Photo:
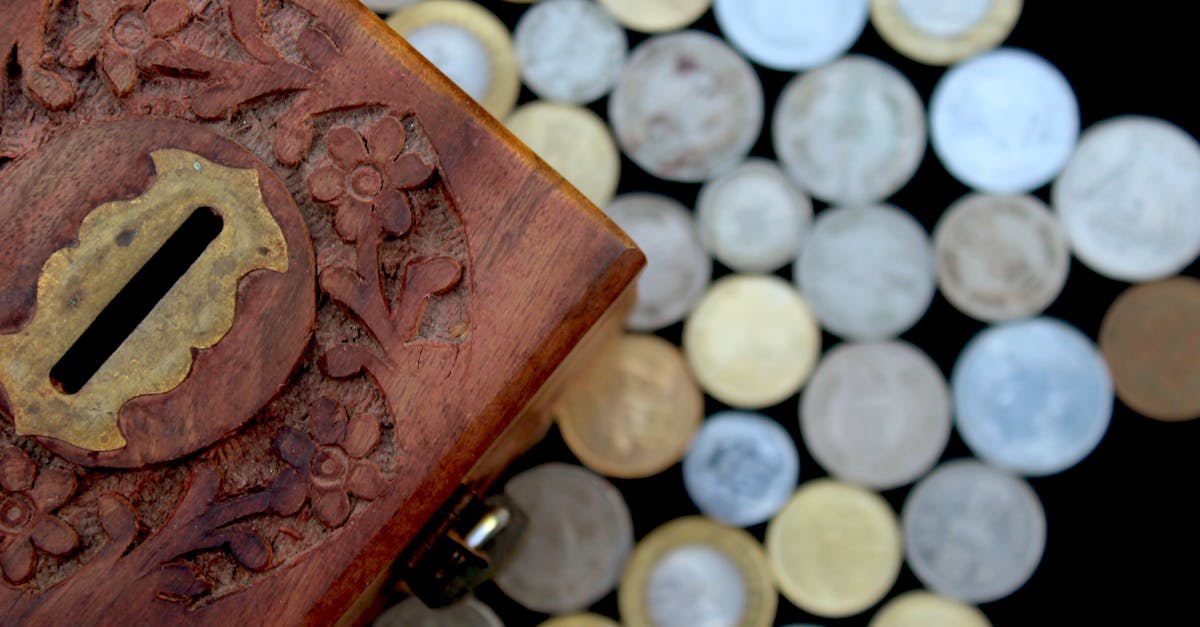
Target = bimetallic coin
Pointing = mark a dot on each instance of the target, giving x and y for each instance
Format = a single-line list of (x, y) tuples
[(851, 132), (791, 35), (577, 542), (751, 341), (635, 411), (569, 50), (575, 142), (1000, 257), (469, 45), (918, 608), (1151, 339), (687, 107), (692, 571), (876, 414), (941, 32), (741, 468), (1004, 121), (1032, 396), (867, 271), (753, 218), (1128, 198), (580, 620), (834, 549), (973, 533), (656, 16), (678, 269), (411, 612)]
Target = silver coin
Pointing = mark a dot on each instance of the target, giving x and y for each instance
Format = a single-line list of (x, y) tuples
[(687, 107), (851, 132), (1128, 198), (678, 269), (753, 218), (791, 35), (867, 271), (411, 612), (579, 538), (1000, 257), (876, 414), (973, 533), (1032, 396), (1004, 121), (695, 585), (569, 50), (741, 468)]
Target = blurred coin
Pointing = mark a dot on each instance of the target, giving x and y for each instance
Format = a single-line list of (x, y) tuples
[(751, 341), (918, 608), (569, 50), (577, 542), (867, 271), (973, 533), (741, 468), (469, 45), (877, 414), (834, 549), (1128, 198), (1004, 121), (656, 16), (1151, 339), (791, 35), (574, 141), (1032, 396), (633, 414), (692, 571), (580, 620), (941, 32), (753, 218), (677, 270), (687, 107), (411, 612), (1000, 257)]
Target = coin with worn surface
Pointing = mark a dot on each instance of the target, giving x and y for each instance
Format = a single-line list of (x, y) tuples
[(469, 45), (411, 612), (973, 533), (876, 414), (741, 468), (867, 271), (1000, 257), (751, 341), (580, 620), (851, 132), (569, 50), (1128, 198), (656, 16), (678, 269), (687, 107), (1032, 396), (575, 142), (753, 218), (918, 608), (577, 542), (937, 32), (834, 549), (692, 571), (791, 35), (1150, 337), (1005, 121), (635, 411)]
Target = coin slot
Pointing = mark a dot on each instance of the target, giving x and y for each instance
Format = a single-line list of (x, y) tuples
[(135, 301)]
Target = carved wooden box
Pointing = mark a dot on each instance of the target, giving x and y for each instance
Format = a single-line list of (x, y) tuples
[(271, 291)]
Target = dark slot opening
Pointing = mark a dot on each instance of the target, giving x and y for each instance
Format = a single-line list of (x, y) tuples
[(135, 301)]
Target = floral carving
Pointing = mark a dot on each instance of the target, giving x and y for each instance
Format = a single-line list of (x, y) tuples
[(27, 521), (44, 87)]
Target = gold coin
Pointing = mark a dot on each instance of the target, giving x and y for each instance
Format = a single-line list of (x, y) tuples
[(834, 549), (919, 608), (575, 142), (469, 45), (694, 571), (752, 341), (656, 16), (580, 620), (941, 33), (635, 410)]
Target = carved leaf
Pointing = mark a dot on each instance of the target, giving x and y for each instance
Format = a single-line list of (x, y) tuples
[(116, 517), (292, 140), (179, 582), (344, 361), (246, 24), (317, 48), (344, 285), (49, 90), (248, 548), (432, 276), (411, 170), (214, 102)]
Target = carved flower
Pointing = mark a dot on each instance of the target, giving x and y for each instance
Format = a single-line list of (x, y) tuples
[(327, 464), (117, 33), (366, 178), (27, 504)]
